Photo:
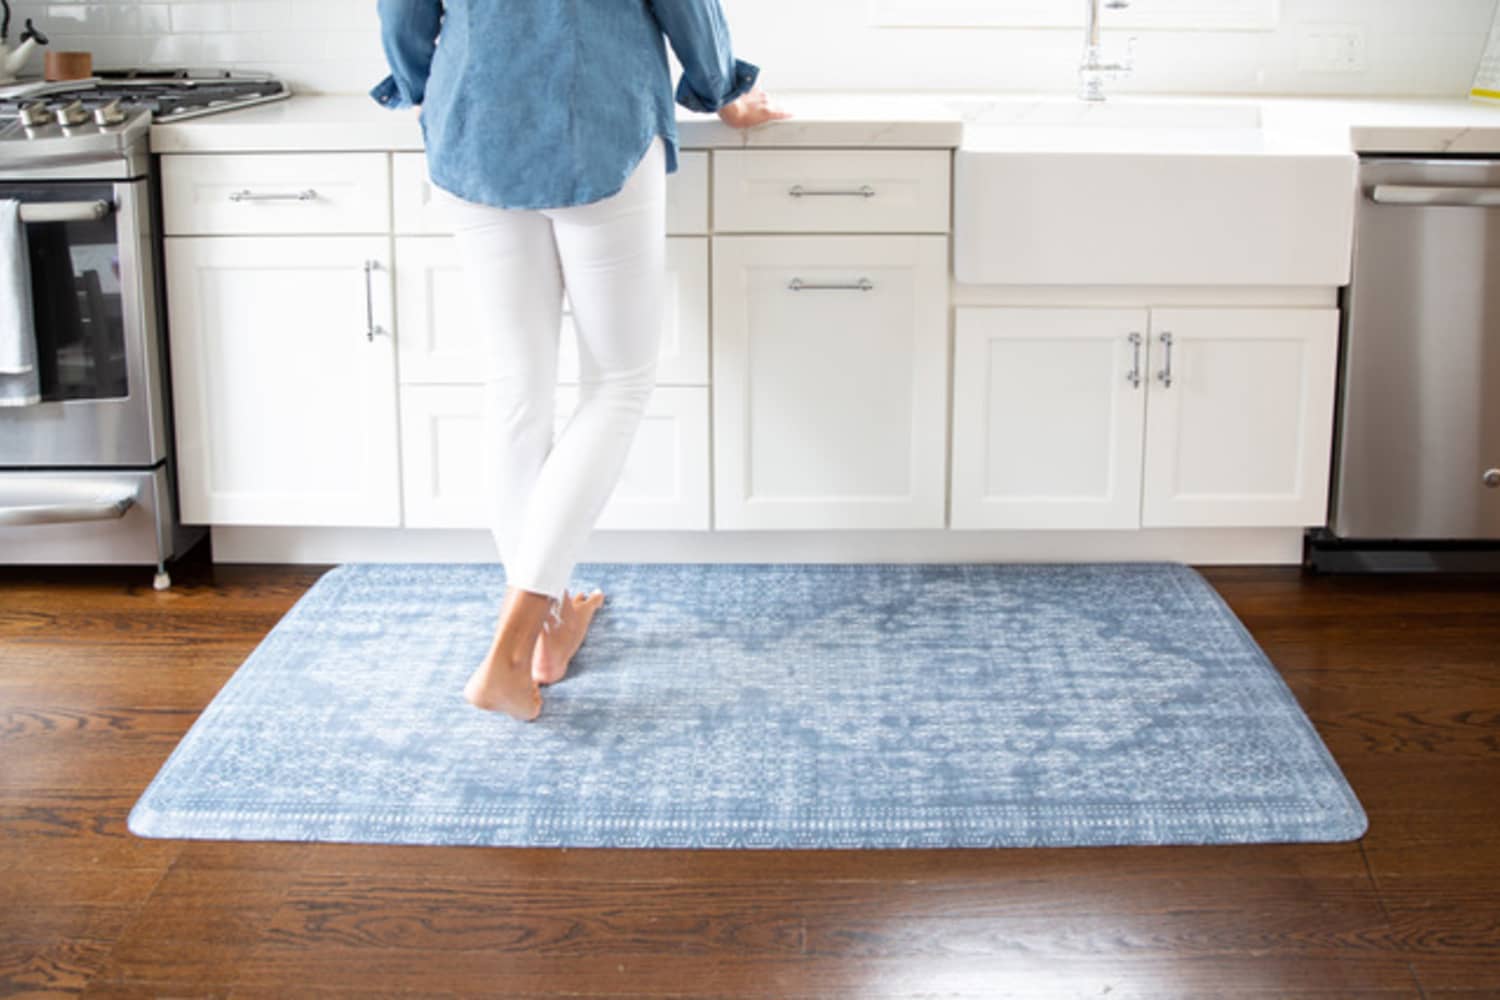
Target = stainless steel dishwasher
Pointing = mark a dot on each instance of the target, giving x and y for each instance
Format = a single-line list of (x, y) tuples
[(1416, 474)]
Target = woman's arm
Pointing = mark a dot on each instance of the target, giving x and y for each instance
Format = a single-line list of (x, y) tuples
[(711, 76), (408, 33)]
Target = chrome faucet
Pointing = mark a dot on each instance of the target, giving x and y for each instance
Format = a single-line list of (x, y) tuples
[(1092, 70)]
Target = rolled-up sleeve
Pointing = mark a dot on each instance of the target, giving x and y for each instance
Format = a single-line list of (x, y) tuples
[(711, 76), (408, 33)]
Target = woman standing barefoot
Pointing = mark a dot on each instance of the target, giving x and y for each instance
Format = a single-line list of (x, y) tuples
[(549, 129)]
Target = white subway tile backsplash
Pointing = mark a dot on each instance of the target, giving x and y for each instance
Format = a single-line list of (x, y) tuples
[(1414, 47)]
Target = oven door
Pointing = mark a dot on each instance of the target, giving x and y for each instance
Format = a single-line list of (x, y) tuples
[(96, 319)]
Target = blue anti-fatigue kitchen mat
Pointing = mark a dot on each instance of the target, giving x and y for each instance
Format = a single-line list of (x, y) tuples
[(765, 706)]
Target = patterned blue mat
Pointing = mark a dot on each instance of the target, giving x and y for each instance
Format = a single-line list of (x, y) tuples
[(765, 705)]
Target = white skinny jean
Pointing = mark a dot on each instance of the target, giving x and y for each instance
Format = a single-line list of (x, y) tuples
[(545, 496)]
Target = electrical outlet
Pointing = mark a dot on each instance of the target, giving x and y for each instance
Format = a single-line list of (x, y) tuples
[(1331, 48)]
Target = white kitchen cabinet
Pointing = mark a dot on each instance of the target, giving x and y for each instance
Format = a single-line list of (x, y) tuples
[(830, 359), (664, 485), (284, 380), (1047, 421), (1242, 435), (1230, 428), (440, 344)]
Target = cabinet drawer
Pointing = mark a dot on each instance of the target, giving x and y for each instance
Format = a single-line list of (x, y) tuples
[(846, 191), (687, 196), (272, 193)]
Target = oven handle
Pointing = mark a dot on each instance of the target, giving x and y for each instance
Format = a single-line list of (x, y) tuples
[(59, 501), (1452, 197), (64, 211)]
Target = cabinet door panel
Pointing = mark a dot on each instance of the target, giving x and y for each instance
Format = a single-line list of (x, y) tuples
[(439, 343), (1242, 436), (1047, 426), (663, 487), (285, 408), (830, 401)]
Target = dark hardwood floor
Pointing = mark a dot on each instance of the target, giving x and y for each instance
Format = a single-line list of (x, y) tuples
[(100, 676)]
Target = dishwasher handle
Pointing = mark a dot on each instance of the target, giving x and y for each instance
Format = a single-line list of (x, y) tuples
[(1435, 196)]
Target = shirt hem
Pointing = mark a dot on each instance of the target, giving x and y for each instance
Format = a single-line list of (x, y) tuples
[(438, 178)]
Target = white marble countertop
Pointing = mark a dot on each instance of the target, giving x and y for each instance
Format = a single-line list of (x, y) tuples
[(1297, 124)]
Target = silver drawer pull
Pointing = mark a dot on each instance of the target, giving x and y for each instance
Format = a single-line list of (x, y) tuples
[(862, 285), (307, 195), (64, 211), (863, 191)]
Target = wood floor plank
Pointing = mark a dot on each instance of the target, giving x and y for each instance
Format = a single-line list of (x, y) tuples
[(927, 867), (198, 925), (40, 904), (56, 967)]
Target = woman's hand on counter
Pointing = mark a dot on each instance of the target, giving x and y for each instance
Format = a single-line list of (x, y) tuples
[(750, 109)]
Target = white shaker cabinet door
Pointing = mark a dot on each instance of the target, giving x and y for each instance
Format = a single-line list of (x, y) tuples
[(830, 366), (1240, 417), (441, 342), (1048, 414), (664, 485), (284, 381)]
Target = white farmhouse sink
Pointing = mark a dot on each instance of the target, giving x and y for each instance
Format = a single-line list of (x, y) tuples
[(1137, 191)]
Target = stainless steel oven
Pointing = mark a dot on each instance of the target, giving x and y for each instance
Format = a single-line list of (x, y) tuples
[(87, 471)]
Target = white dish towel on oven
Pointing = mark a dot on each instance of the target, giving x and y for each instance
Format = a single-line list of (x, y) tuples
[(20, 382)]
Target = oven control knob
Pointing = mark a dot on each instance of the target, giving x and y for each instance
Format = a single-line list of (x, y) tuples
[(35, 114), (1492, 479), (109, 114), (72, 113)]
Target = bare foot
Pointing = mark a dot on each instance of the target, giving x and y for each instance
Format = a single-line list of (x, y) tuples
[(559, 641), (505, 687)]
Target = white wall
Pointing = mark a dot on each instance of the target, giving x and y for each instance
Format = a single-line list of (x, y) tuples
[(1419, 47)]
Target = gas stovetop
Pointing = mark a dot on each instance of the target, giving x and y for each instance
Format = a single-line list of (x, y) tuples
[(112, 108), (169, 94)]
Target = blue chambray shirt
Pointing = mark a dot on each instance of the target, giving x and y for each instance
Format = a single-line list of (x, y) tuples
[(547, 103)]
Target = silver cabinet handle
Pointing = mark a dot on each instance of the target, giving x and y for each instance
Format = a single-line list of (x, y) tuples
[(371, 266), (863, 191), (1492, 479), (1166, 373), (862, 285), (307, 195), (1453, 197), (1134, 375)]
